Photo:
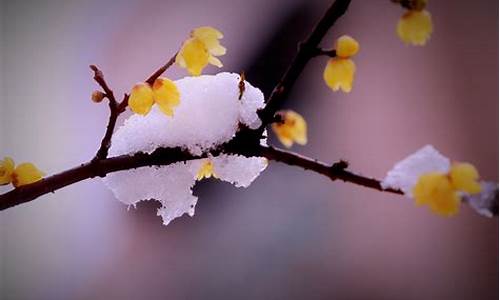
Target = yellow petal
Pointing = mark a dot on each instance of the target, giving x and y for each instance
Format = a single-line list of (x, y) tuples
[(141, 98), (293, 129), (214, 61), (435, 190), (193, 56), (6, 169), (415, 27), (339, 74), (206, 170), (210, 36), (464, 177), (26, 173), (346, 46), (166, 95)]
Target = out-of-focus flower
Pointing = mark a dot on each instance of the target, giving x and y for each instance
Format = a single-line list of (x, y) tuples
[(164, 93), (415, 27), (206, 170), (6, 169), (200, 50), (435, 189), (291, 129), (464, 177), (26, 173), (429, 178), (339, 71)]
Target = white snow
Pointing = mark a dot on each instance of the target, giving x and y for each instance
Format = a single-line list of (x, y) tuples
[(208, 115), (404, 175)]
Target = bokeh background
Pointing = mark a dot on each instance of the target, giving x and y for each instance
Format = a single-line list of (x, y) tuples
[(290, 235)]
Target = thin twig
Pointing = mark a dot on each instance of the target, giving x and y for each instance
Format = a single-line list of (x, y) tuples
[(115, 108)]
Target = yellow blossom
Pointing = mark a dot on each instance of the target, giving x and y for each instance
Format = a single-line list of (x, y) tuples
[(141, 98), (464, 177), (206, 170), (293, 128), (339, 71), (26, 173), (6, 170), (435, 189), (339, 74), (346, 46), (201, 49), (415, 27), (441, 191), (164, 93)]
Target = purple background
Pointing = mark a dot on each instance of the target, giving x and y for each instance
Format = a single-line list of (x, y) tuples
[(292, 234)]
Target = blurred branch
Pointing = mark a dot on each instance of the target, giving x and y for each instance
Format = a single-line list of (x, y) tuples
[(307, 50)]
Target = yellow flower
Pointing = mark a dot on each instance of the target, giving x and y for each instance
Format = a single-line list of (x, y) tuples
[(464, 177), (339, 71), (201, 49), (346, 46), (339, 74), (293, 128), (6, 170), (206, 170), (26, 173), (141, 98), (435, 189), (442, 191), (415, 27), (164, 93)]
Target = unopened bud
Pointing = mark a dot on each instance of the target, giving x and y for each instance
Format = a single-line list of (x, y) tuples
[(97, 96)]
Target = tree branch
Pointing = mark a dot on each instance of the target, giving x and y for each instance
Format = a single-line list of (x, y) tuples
[(166, 156), (307, 50)]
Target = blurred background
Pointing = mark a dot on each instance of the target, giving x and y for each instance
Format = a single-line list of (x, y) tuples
[(292, 234)]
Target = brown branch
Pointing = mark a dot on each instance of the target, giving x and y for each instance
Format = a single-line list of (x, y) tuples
[(307, 50), (324, 52), (333, 171), (166, 156)]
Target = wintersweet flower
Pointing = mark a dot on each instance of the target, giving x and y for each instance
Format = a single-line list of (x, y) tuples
[(291, 129), (339, 71), (430, 178), (23, 174), (206, 170), (6, 170), (164, 93), (415, 27), (200, 50), (26, 173)]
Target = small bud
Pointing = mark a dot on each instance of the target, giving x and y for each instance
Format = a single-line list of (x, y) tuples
[(97, 96)]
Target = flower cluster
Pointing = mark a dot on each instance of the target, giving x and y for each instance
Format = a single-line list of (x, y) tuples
[(19, 175), (415, 26), (200, 50), (430, 178), (291, 128), (442, 191), (164, 93), (339, 71)]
